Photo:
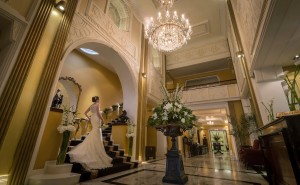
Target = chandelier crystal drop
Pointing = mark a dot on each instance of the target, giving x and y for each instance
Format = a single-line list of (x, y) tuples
[(168, 32)]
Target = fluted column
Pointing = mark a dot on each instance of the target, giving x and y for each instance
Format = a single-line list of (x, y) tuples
[(12, 90), (29, 136)]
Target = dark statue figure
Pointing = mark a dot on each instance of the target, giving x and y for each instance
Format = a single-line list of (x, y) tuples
[(123, 118), (57, 99)]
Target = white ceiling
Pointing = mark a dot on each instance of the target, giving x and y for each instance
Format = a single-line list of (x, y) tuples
[(208, 20), (217, 117)]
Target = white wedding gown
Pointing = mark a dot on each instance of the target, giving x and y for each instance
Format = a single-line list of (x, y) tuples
[(91, 153)]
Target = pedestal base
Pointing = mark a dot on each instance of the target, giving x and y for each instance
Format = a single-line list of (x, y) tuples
[(174, 168)]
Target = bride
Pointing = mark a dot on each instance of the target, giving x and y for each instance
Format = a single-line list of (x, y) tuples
[(91, 153)]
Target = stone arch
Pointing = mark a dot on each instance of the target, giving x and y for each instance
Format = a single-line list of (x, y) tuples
[(127, 74)]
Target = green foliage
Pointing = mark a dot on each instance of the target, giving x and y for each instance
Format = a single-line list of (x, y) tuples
[(114, 107), (171, 110), (106, 112), (246, 126)]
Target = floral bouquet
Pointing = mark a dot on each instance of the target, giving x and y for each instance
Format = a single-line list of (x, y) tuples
[(171, 110), (65, 128)]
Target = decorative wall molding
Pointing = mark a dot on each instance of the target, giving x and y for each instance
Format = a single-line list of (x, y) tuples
[(238, 68), (249, 19), (211, 94), (200, 29), (103, 21), (153, 85), (11, 39), (94, 23), (212, 50)]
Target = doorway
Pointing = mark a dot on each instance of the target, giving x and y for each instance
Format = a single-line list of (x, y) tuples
[(220, 137)]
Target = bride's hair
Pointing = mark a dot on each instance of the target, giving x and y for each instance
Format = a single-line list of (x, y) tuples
[(95, 98)]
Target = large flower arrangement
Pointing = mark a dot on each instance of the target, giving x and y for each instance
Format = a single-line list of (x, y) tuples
[(65, 128), (171, 110)]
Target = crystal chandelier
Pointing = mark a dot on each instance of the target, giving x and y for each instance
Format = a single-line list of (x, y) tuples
[(168, 32)]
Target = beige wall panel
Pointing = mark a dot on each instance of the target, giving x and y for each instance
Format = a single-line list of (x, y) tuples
[(94, 79), (51, 141), (119, 136), (22, 7)]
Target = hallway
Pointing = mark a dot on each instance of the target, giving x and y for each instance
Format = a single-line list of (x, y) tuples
[(202, 170)]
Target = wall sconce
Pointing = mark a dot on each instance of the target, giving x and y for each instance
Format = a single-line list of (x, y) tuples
[(296, 59), (61, 5), (144, 75), (239, 54)]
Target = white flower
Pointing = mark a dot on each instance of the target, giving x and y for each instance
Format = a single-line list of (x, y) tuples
[(168, 106), (165, 113), (61, 128), (71, 128), (130, 135), (165, 118), (182, 120), (185, 113), (154, 116)]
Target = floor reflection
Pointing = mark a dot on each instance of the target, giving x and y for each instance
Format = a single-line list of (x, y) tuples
[(206, 169)]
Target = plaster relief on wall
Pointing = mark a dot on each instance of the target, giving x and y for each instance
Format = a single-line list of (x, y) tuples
[(200, 29), (199, 52), (238, 68), (155, 71), (82, 28), (154, 83), (248, 15), (103, 21)]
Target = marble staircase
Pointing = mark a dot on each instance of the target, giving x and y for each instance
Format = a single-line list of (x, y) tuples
[(120, 161), (55, 174)]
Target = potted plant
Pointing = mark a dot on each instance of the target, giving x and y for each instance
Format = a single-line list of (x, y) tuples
[(65, 128), (172, 118), (106, 112), (114, 107)]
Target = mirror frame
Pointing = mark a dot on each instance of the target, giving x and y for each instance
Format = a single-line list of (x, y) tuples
[(77, 84)]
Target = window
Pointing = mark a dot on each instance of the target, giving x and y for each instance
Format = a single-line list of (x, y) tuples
[(119, 13)]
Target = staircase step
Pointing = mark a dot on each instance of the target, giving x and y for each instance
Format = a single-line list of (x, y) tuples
[(57, 179), (75, 142), (120, 162)]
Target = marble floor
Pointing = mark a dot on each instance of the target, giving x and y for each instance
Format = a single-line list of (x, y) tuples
[(201, 170)]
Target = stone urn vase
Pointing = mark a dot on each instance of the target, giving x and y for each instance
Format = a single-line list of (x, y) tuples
[(174, 165)]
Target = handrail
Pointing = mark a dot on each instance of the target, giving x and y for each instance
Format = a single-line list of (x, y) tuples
[(212, 84)]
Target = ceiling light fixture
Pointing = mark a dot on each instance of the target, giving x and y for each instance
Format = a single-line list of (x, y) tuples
[(61, 5), (210, 122), (89, 51), (168, 32), (296, 57)]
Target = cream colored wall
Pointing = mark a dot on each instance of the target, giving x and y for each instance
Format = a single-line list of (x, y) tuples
[(94, 79), (135, 31), (101, 4), (25, 102), (118, 134), (50, 142), (22, 7)]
